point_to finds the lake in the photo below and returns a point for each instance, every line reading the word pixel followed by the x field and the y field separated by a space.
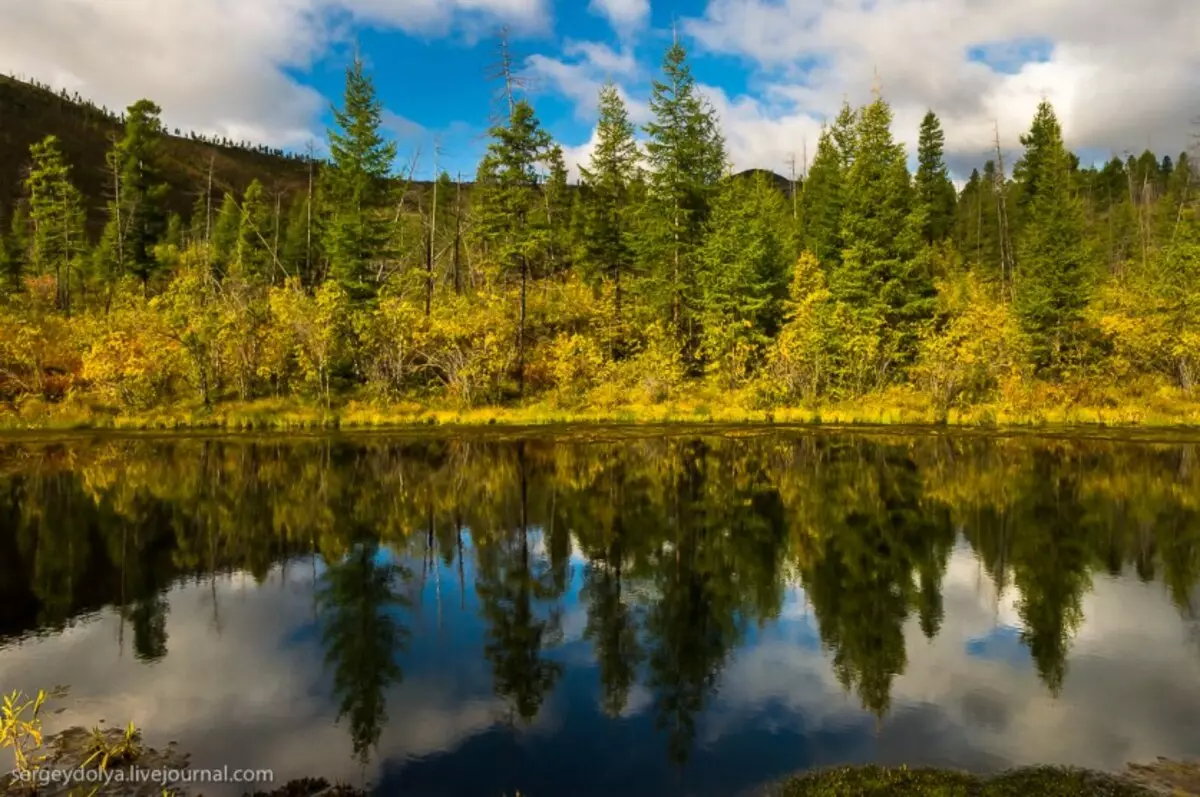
pixel 609 611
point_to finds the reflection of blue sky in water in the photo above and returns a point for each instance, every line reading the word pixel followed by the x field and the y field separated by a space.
pixel 244 684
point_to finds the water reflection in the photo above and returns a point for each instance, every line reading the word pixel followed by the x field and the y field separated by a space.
pixel 519 602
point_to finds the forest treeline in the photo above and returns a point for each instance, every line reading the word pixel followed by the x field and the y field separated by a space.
pixel 659 277
pixel 680 544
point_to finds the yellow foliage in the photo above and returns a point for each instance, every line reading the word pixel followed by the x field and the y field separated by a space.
pixel 133 358
pixel 979 345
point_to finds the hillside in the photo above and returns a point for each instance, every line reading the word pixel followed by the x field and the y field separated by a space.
pixel 29 113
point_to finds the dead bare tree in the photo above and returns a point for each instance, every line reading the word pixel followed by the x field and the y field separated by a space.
pixel 1008 265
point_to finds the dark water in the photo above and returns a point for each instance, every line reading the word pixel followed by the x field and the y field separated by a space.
pixel 598 613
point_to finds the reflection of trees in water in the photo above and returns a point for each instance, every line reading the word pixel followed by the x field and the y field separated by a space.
pixel 362 635
pixel 685 541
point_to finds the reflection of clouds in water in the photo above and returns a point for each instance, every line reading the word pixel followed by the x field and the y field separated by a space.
pixel 1132 692
pixel 248 697
pixel 257 693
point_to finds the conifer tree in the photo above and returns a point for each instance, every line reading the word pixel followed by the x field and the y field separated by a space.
pixel 844 132
pixel 137 214
pixel 742 273
pixel 253 257
pixel 685 153
pixel 880 275
pixel 56 217
pixel 1039 144
pixel 558 211
pixel 174 234
pixel 821 200
pixel 1052 284
pixel 608 248
pixel 225 234
pixel 356 187
pixel 935 192
pixel 294 251
pixel 14 248
pixel 509 177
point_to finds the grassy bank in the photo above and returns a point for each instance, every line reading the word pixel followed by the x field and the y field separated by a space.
pixel 898 406
pixel 902 782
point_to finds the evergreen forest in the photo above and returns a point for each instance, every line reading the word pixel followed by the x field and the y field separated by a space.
pixel 660 285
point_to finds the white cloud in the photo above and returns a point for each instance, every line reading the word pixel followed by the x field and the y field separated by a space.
pixel 626 16
pixel 218 66
pixel 1121 75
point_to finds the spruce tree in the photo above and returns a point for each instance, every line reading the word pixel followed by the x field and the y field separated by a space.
pixel 685 153
pixel 1039 143
pixel 225 235
pixel 252 257
pixel 56 216
pixel 880 274
pixel 845 135
pixel 742 272
pixel 1052 283
pixel 356 187
pixel 608 222
pixel 558 211
pixel 509 199
pixel 14 248
pixel 137 212
pixel 821 201
pixel 294 251
pixel 935 192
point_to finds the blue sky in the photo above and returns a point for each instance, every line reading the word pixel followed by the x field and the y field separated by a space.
pixel 438 87
pixel 1123 76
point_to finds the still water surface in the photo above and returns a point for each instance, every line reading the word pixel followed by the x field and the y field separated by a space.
pixel 603 612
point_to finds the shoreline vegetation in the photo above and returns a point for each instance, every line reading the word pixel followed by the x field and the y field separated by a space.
pixel 661 288
pixel 897 407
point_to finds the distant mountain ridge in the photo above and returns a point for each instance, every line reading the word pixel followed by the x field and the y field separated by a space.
pixel 29 112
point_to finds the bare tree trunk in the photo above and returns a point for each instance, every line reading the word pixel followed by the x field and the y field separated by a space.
pixel 308 225
pixel 457 232
pixel 521 328
pixel 208 201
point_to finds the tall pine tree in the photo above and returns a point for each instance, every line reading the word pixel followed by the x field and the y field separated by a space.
pixel 821 201
pixel 356 187
pixel 56 214
pixel 935 192
pixel 608 243
pixel 509 203
pixel 686 156
pixel 1052 282
pixel 137 213
pixel 880 274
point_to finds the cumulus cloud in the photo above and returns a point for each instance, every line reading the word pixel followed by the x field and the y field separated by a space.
pixel 218 66
pixel 1121 75
pixel 626 16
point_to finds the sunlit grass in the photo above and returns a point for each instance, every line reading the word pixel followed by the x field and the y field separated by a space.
pixel 1038 406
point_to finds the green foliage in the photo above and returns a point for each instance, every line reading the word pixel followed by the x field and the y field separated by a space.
pixel 615 296
pixel 742 275
pixel 21 729
pixel 137 218
pixel 56 214
pixel 935 193
pixel 608 194
pixel 1053 278
pixel 821 202
pixel 685 157
pixel 356 189
pixel 881 275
